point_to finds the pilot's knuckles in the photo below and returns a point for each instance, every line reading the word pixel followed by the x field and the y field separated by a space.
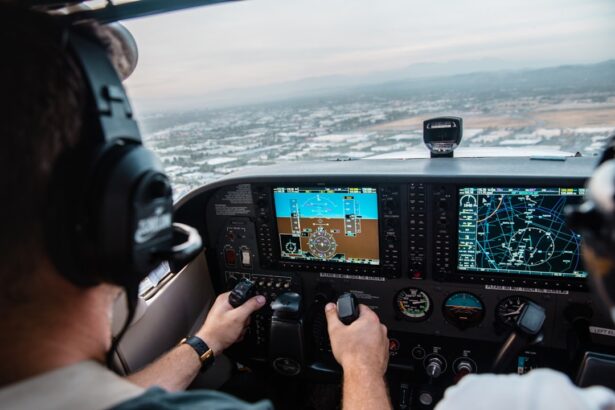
pixel 372 318
pixel 223 297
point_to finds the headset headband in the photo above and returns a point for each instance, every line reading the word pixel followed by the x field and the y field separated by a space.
pixel 108 98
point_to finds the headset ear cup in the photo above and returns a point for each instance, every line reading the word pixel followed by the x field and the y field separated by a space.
pixel 105 224
pixel 134 215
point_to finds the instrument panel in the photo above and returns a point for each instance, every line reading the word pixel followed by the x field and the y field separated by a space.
pixel 446 251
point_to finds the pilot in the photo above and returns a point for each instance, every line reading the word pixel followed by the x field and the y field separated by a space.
pixel 55 335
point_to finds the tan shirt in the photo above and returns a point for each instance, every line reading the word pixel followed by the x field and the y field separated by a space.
pixel 86 385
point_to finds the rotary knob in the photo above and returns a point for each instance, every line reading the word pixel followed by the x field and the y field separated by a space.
pixel 464 367
pixel 434 367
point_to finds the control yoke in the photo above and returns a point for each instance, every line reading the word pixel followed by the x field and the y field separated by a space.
pixel 287 350
pixel 243 291
pixel 527 330
pixel 347 308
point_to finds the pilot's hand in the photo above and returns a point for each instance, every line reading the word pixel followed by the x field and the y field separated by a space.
pixel 226 325
pixel 363 345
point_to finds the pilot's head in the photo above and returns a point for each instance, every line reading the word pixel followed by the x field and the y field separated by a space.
pixel 595 221
pixel 86 208
pixel 41 117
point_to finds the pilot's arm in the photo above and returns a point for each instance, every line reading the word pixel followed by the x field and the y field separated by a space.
pixel 362 349
pixel 539 389
pixel 224 326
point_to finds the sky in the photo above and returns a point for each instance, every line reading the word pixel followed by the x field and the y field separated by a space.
pixel 194 57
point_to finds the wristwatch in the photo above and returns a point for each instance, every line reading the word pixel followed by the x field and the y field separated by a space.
pixel 206 355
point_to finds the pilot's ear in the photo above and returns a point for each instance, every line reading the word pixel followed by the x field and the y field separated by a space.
pixel 118 41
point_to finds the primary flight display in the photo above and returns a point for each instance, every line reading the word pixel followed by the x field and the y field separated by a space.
pixel 518 231
pixel 338 224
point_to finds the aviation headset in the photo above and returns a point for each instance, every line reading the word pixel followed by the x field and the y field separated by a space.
pixel 110 211
pixel 594 219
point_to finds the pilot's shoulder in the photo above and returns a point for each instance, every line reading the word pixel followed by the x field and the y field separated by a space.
pixel 156 398
pixel 539 389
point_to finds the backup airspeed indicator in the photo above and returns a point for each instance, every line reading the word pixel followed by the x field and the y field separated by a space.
pixel 413 304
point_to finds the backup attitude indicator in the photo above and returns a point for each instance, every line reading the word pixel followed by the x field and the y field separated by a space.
pixel 518 231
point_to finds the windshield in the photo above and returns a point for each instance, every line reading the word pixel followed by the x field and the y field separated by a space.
pixel 254 83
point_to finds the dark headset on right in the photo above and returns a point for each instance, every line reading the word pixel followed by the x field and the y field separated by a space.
pixel 110 207
pixel 594 219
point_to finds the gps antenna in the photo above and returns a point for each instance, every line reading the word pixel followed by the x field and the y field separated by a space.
pixel 442 135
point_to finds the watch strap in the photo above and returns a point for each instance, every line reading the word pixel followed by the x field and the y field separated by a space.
pixel 206 355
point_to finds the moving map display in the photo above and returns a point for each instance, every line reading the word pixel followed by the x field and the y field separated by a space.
pixel 518 231
pixel 337 224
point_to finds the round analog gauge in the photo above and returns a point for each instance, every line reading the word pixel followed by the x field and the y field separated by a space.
pixel 509 309
pixel 413 304
pixel 463 310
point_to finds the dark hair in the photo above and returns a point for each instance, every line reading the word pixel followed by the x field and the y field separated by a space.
pixel 41 115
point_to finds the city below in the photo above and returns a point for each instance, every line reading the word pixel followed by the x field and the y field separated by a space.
pixel 549 112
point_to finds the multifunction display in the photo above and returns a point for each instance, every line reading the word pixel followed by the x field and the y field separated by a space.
pixel 338 224
pixel 518 231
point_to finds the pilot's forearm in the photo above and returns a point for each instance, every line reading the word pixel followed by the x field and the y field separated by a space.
pixel 173 371
pixel 364 390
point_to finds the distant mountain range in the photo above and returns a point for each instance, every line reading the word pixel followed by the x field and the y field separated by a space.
pixel 542 81
pixel 481 78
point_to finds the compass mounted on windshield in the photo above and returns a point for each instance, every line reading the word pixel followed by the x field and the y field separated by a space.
pixel 442 135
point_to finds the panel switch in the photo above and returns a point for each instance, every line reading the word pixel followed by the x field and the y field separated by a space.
pixel 230 257
pixel 246 259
